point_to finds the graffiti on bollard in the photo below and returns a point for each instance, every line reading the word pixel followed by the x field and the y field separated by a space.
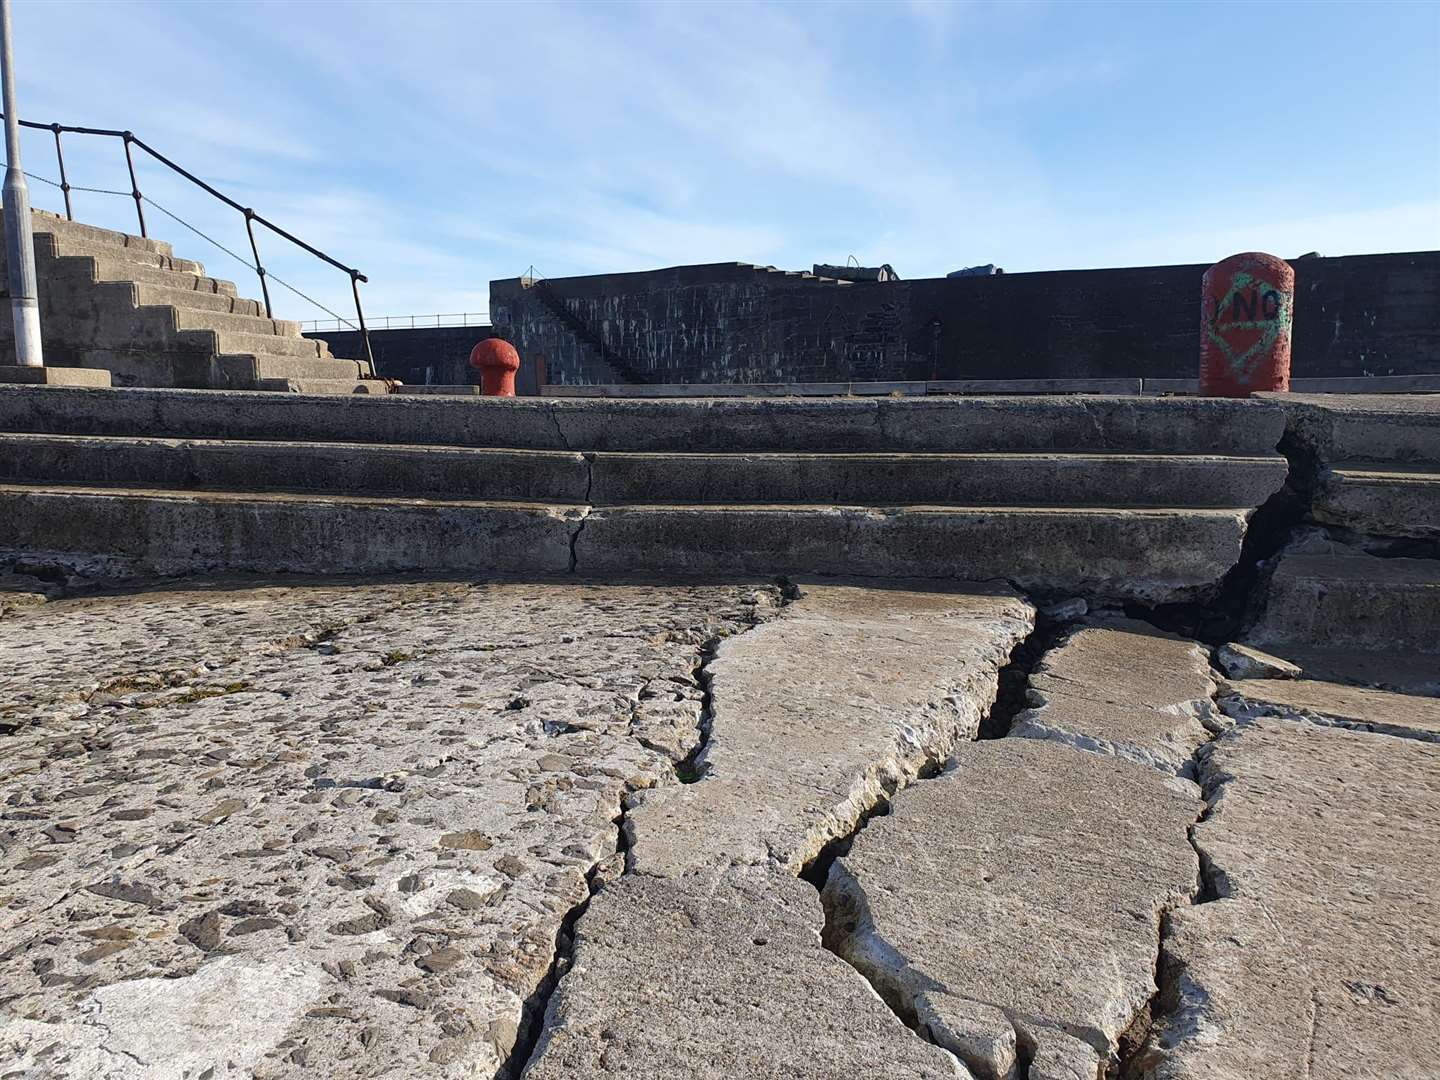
pixel 497 362
pixel 1246 313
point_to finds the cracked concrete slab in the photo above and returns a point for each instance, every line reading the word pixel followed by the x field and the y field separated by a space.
pixel 382 799
pixel 1011 907
pixel 1122 687
pixel 1318 960
pixel 1356 707
pixel 716 976
pixel 822 713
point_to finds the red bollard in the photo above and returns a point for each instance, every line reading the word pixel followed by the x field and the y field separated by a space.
pixel 498 361
pixel 1246 307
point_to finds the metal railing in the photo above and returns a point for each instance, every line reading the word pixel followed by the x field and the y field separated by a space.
pixel 401 322
pixel 251 218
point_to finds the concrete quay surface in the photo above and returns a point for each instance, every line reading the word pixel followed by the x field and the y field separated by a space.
pixel 996 821
pixel 556 828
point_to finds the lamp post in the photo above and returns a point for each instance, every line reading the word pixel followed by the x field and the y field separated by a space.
pixel 19 247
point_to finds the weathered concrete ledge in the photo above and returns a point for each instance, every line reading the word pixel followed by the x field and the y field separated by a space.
pixel 169 532
pixel 1151 556
pixel 1384 500
pixel 1350 600
pixel 1145 555
pixel 939 479
pixel 1171 425
pixel 840 479
pixel 445 472
pixel 1363 427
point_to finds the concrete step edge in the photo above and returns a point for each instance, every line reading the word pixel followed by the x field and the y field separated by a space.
pixel 153 294
pixel 104 269
pixel 44 221
pixel 247 343
pixel 140 491
pixel 70 245
pixel 977 457
pixel 189 318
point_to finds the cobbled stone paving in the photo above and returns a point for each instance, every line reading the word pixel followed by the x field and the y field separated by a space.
pixel 278 830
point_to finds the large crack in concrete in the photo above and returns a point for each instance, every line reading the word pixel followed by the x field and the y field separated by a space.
pixel 1013 1056
pixel 532 1014
pixel 616 864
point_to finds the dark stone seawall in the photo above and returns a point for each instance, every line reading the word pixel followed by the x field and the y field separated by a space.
pixel 731 322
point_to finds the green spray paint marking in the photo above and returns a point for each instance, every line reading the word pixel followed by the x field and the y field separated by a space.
pixel 1240 365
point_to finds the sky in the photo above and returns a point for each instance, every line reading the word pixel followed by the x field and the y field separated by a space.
pixel 437 146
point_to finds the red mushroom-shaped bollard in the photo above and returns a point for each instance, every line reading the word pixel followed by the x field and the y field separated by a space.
pixel 497 361
pixel 1245 322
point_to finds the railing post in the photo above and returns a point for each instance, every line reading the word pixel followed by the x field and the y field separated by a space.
pixel 255 251
pixel 128 138
pixel 64 183
pixel 355 277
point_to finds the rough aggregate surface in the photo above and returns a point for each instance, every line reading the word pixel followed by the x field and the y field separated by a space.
pixel 356 815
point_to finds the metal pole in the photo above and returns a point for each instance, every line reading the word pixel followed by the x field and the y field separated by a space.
pixel 19 243
pixel 360 314
pixel 134 187
pixel 64 183
pixel 264 287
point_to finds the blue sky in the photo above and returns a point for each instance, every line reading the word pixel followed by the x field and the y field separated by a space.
pixel 437 146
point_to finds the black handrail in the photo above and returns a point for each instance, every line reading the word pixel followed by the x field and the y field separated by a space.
pixel 250 215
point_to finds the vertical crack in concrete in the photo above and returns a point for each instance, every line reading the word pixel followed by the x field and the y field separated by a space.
pixel 534 1012
pixel 1012 697
pixel 585 509
pixel 693 766
pixel 1133 1058
pixel 552 412
pixel 589 457
pixel 535 1007
pixel 575 536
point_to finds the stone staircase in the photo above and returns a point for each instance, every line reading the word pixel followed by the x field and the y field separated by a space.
pixel 1355 594
pixel 1128 499
pixel 127 304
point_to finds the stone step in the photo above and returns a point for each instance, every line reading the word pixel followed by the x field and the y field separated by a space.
pixel 102 268
pixel 149 294
pixel 1384 500
pixel 1350 601
pixel 961 479
pixel 57 245
pixel 47 222
pixel 238 342
pixel 245 371
pixel 1396 670
pixel 179 532
pixel 951 424
pixel 1364 427
pixel 188 318
pixel 610 479
pixel 1150 556
pixel 341 468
